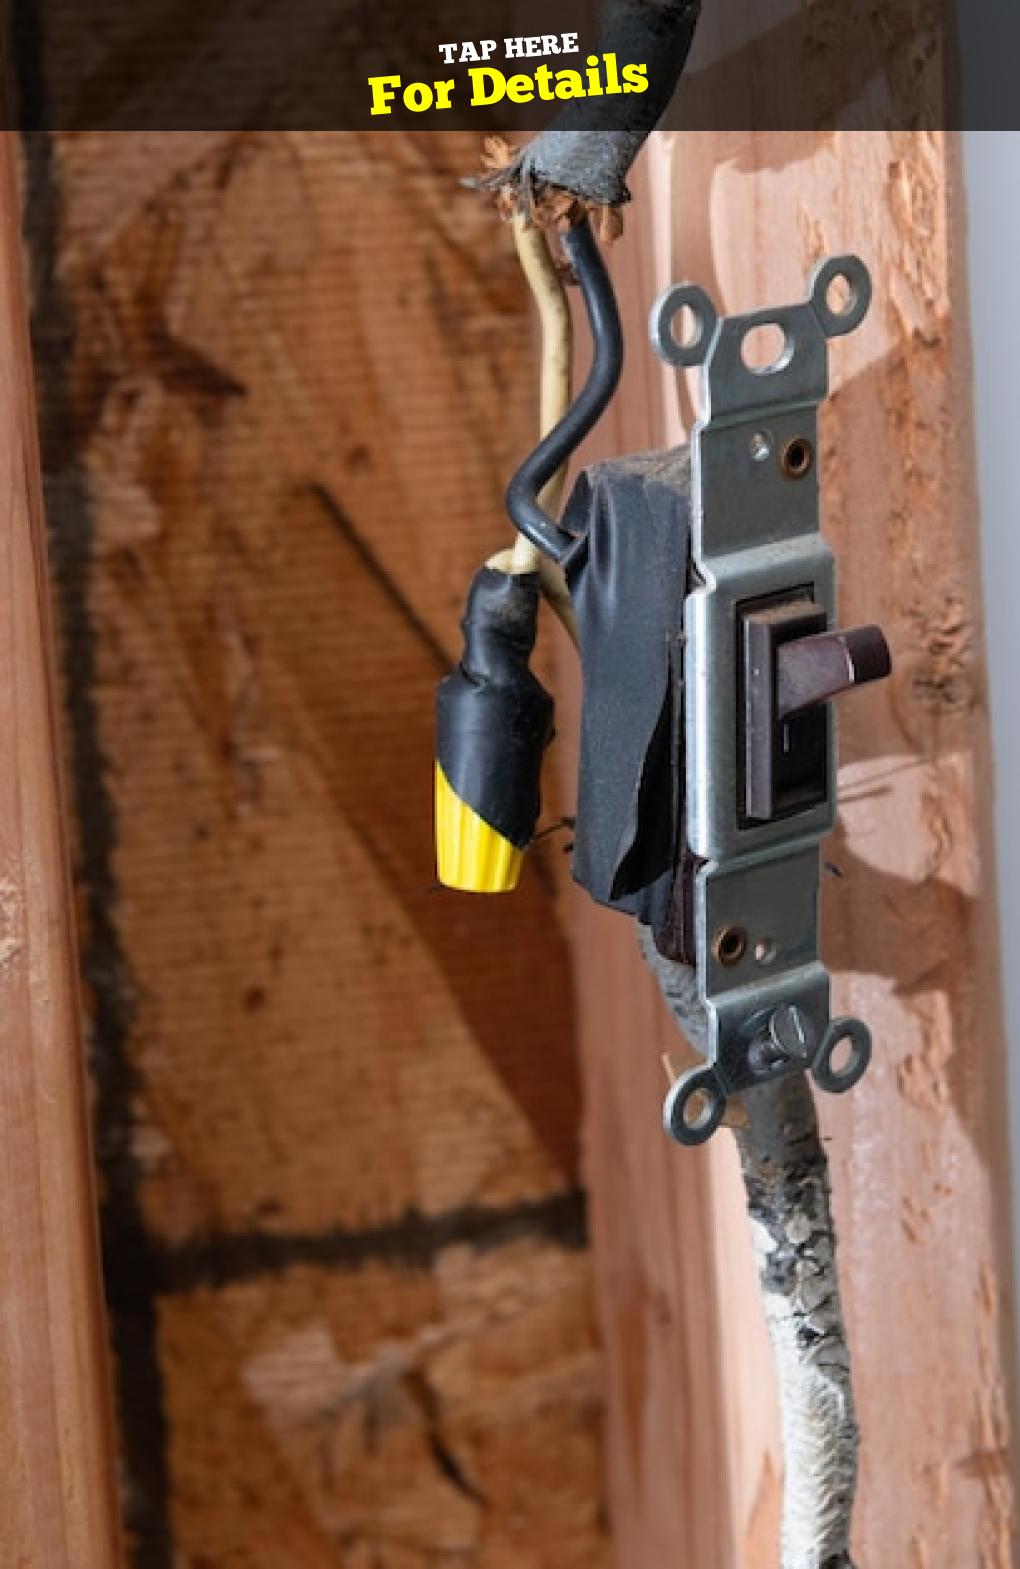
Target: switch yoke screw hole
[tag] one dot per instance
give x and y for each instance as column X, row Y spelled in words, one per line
column 797, row 457
column 730, row 945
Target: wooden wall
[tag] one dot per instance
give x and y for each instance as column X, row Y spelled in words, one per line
column 282, row 379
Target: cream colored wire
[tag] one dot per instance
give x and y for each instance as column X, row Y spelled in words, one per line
column 554, row 399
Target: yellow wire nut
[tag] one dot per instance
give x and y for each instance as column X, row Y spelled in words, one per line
column 471, row 856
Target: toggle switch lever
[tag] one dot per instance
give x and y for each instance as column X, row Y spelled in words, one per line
column 792, row 667
column 811, row 670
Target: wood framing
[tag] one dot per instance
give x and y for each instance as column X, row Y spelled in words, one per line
column 283, row 378
column 57, row 1469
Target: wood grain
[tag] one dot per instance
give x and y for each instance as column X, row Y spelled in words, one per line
column 57, row 1464
column 337, row 1109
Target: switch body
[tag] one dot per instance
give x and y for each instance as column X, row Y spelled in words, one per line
column 763, row 660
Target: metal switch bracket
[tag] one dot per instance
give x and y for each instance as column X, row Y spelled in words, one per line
column 761, row 662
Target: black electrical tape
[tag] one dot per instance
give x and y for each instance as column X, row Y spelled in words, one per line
column 629, row 576
column 494, row 719
column 590, row 145
column 551, row 453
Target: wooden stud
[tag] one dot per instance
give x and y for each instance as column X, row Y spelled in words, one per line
column 57, row 1493
column 919, row 1151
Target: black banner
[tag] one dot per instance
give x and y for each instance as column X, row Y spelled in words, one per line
column 504, row 66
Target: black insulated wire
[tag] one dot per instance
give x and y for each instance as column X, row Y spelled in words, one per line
column 607, row 361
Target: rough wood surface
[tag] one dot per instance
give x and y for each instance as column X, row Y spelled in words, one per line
column 57, row 1465
column 285, row 376
column 918, row 1152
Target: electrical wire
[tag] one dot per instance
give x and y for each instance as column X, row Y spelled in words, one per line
column 557, row 354
column 556, row 360
column 524, row 494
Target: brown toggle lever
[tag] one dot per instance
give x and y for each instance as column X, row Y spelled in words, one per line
column 792, row 667
column 811, row 670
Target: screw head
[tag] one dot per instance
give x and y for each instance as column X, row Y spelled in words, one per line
column 792, row 1033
